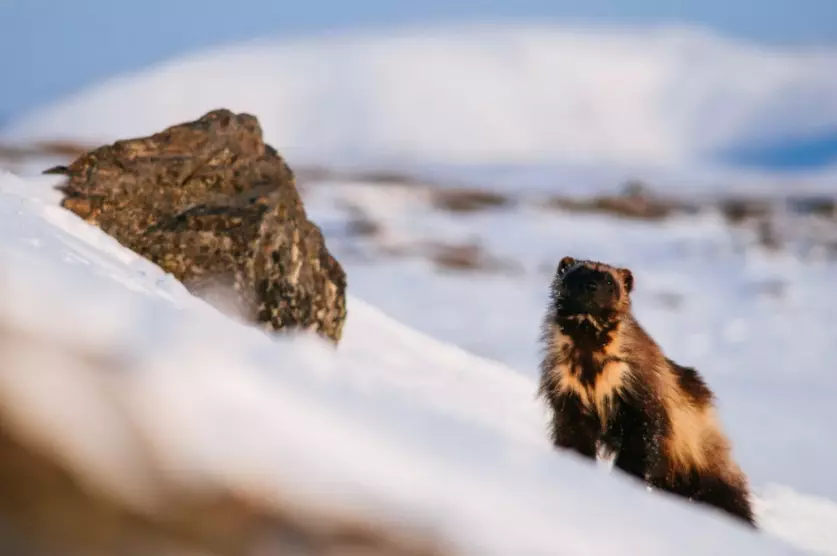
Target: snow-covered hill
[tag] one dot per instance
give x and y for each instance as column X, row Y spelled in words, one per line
column 393, row 420
column 428, row 407
column 472, row 95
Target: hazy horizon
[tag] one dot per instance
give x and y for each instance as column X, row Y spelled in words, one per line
column 56, row 48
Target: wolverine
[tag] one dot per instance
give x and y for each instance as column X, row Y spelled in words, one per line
column 610, row 387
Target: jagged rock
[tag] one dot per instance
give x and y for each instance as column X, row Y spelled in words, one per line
column 211, row 203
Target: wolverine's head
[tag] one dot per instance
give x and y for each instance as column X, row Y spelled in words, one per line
column 591, row 288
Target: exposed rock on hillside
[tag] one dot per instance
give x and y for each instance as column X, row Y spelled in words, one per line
column 211, row 203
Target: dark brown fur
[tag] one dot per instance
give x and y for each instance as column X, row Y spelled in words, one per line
column 610, row 386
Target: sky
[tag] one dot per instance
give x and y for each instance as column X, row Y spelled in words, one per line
column 54, row 47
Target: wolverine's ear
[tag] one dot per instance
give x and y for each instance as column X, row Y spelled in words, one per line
column 627, row 279
column 565, row 263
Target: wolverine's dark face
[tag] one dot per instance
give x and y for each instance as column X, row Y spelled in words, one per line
column 588, row 287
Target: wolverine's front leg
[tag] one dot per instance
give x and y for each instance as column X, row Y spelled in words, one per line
column 573, row 427
column 636, row 442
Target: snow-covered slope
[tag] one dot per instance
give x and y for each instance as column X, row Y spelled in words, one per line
column 392, row 421
column 760, row 325
column 500, row 94
column 444, row 436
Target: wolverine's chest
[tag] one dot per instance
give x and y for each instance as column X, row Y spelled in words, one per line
column 597, row 378
column 594, row 382
column 585, row 367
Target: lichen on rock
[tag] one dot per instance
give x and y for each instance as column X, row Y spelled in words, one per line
column 211, row 203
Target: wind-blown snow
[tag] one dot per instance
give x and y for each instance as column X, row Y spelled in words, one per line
column 666, row 96
column 391, row 420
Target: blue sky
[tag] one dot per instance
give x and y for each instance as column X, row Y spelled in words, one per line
column 52, row 47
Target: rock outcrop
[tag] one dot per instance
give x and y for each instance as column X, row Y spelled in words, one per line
column 211, row 203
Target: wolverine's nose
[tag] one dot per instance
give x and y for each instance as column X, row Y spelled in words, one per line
column 591, row 286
